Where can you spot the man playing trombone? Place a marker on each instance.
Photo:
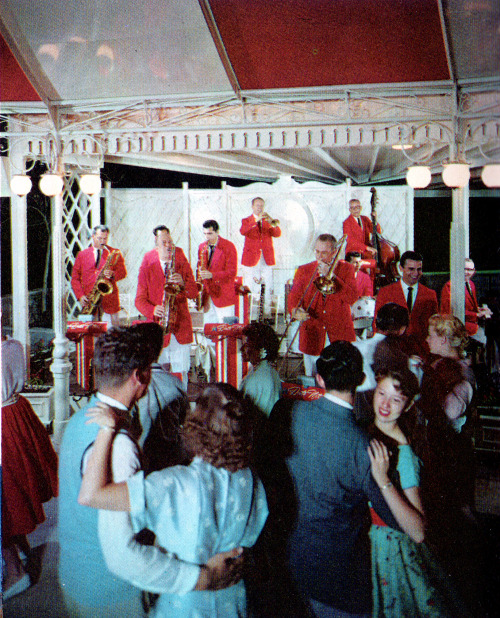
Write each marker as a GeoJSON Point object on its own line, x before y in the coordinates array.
{"type": "Point", "coordinates": [259, 229]}
{"type": "Point", "coordinates": [321, 298]}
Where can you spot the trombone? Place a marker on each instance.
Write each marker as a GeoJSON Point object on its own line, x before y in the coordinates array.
{"type": "Point", "coordinates": [323, 283]}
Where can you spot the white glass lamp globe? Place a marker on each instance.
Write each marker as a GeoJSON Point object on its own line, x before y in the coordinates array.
{"type": "Point", "coordinates": [51, 184]}
{"type": "Point", "coordinates": [20, 184]}
{"type": "Point", "coordinates": [491, 175]}
{"type": "Point", "coordinates": [456, 175]}
{"type": "Point", "coordinates": [90, 183]}
{"type": "Point", "coordinates": [418, 176]}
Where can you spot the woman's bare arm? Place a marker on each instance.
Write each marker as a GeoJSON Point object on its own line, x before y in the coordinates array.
{"type": "Point", "coordinates": [408, 515]}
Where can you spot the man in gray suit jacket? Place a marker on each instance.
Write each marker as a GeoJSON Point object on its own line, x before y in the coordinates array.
{"type": "Point", "coordinates": [329, 553]}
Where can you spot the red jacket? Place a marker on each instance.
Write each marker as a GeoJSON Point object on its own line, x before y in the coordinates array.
{"type": "Point", "coordinates": [329, 313]}
{"type": "Point", "coordinates": [471, 306]}
{"type": "Point", "coordinates": [358, 239]}
{"type": "Point", "coordinates": [364, 284]}
{"type": "Point", "coordinates": [424, 305]}
{"type": "Point", "coordinates": [150, 289]}
{"type": "Point", "coordinates": [257, 241]}
{"type": "Point", "coordinates": [224, 266]}
{"type": "Point", "coordinates": [85, 273]}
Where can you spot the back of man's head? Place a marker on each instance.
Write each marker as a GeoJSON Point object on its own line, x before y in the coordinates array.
{"type": "Point", "coordinates": [341, 367]}
{"type": "Point", "coordinates": [122, 350]}
{"type": "Point", "coordinates": [391, 317]}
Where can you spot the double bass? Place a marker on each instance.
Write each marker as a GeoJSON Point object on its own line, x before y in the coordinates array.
{"type": "Point", "coordinates": [387, 251]}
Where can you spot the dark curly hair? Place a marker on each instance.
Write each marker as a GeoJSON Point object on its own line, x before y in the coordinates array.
{"type": "Point", "coordinates": [263, 337]}
{"type": "Point", "coordinates": [219, 429]}
{"type": "Point", "coordinates": [120, 351]}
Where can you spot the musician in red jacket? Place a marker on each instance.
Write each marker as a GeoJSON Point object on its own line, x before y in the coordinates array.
{"type": "Point", "coordinates": [168, 264]}
{"type": "Point", "coordinates": [359, 229]}
{"type": "Point", "coordinates": [421, 301]}
{"type": "Point", "coordinates": [89, 265]}
{"type": "Point", "coordinates": [472, 309]}
{"type": "Point", "coordinates": [324, 317]}
{"type": "Point", "coordinates": [220, 261]}
{"type": "Point", "coordinates": [258, 251]}
{"type": "Point", "coordinates": [364, 284]}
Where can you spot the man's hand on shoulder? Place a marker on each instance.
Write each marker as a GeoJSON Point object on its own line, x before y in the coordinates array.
{"type": "Point", "coordinates": [221, 571]}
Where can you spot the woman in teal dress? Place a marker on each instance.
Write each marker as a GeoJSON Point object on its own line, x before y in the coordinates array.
{"type": "Point", "coordinates": [407, 580]}
{"type": "Point", "coordinates": [262, 383]}
{"type": "Point", "coordinates": [215, 504]}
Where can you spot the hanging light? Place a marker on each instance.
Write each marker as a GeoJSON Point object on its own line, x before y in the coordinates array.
{"type": "Point", "coordinates": [20, 184]}
{"type": "Point", "coordinates": [491, 175]}
{"type": "Point", "coordinates": [418, 176]}
{"type": "Point", "coordinates": [90, 183]}
{"type": "Point", "coordinates": [456, 175]}
{"type": "Point", "coordinates": [51, 184]}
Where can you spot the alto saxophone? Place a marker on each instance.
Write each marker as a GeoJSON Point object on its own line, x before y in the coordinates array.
{"type": "Point", "coordinates": [202, 265]}
{"type": "Point", "coordinates": [170, 291]}
{"type": "Point", "coordinates": [102, 286]}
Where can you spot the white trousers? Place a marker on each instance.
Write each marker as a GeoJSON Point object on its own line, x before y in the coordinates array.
{"type": "Point", "coordinates": [216, 315]}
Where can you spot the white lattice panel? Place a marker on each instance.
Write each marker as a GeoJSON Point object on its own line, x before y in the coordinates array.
{"type": "Point", "coordinates": [304, 210]}
{"type": "Point", "coordinates": [77, 226]}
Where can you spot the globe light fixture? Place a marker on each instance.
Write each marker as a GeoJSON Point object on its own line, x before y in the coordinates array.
{"type": "Point", "coordinates": [90, 183]}
{"type": "Point", "coordinates": [491, 175]}
{"type": "Point", "coordinates": [456, 175]}
{"type": "Point", "coordinates": [418, 176]}
{"type": "Point", "coordinates": [51, 184]}
{"type": "Point", "coordinates": [20, 184]}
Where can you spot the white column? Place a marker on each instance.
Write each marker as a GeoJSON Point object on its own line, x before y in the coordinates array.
{"type": "Point", "coordinates": [459, 247]}
{"type": "Point", "coordinates": [60, 366]}
{"type": "Point", "coordinates": [19, 252]}
{"type": "Point", "coordinates": [95, 209]}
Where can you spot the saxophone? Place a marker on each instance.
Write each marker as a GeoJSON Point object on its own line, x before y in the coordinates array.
{"type": "Point", "coordinates": [102, 286]}
{"type": "Point", "coordinates": [170, 291]}
{"type": "Point", "coordinates": [202, 265]}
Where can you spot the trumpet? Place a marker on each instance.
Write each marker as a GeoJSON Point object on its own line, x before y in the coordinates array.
{"type": "Point", "coordinates": [272, 222]}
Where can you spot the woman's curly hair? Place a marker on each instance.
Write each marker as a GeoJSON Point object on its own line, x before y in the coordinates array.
{"type": "Point", "coordinates": [219, 429]}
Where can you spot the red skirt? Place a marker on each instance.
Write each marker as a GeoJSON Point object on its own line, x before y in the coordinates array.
{"type": "Point", "coordinates": [29, 470]}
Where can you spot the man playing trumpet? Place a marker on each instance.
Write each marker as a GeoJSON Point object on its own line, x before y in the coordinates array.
{"type": "Point", "coordinates": [165, 271]}
{"type": "Point", "coordinates": [259, 229]}
{"type": "Point", "coordinates": [92, 263]}
{"type": "Point", "coordinates": [324, 317]}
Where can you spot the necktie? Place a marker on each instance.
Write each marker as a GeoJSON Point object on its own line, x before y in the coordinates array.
{"type": "Point", "coordinates": [167, 271]}
{"type": "Point", "coordinates": [98, 258]}
{"type": "Point", "coordinates": [409, 299]}
{"type": "Point", "coordinates": [259, 225]}
{"type": "Point", "coordinates": [360, 223]}
{"type": "Point", "coordinates": [210, 253]}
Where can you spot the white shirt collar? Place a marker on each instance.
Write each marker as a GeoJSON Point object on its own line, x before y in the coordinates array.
{"type": "Point", "coordinates": [111, 402]}
{"type": "Point", "coordinates": [338, 401]}
{"type": "Point", "coordinates": [405, 287]}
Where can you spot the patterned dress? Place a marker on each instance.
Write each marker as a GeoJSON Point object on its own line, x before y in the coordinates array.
{"type": "Point", "coordinates": [197, 511]}
{"type": "Point", "coordinates": [407, 581]}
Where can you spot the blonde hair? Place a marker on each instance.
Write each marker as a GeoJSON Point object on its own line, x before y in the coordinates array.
{"type": "Point", "coordinates": [452, 328]}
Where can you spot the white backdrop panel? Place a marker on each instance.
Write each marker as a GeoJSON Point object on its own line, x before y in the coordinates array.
{"type": "Point", "coordinates": [304, 210]}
